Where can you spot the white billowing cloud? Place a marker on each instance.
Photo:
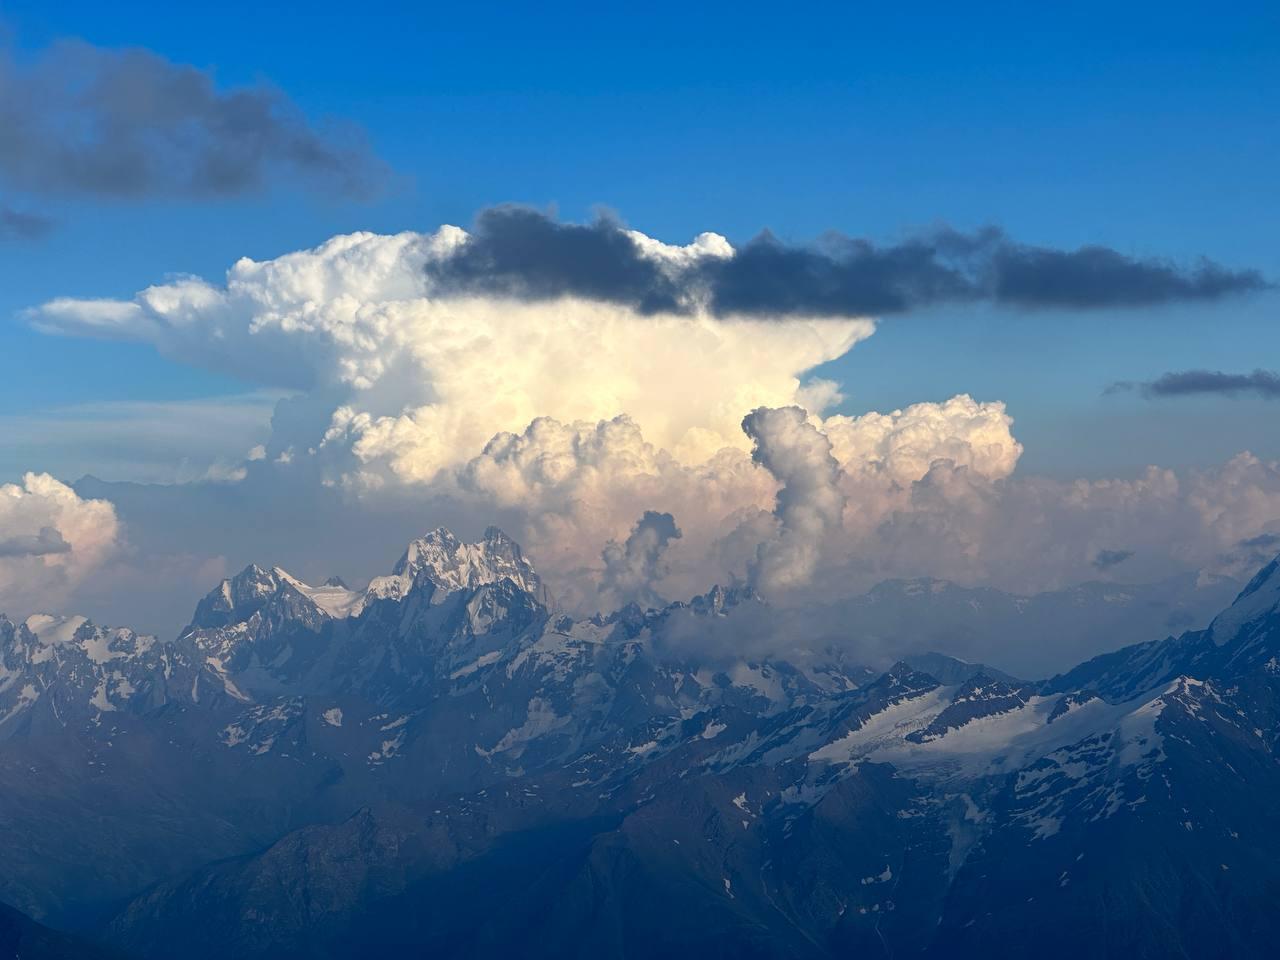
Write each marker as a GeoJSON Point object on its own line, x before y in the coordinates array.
{"type": "Point", "coordinates": [926, 491]}
{"type": "Point", "coordinates": [50, 540]}
{"type": "Point", "coordinates": [425, 381]}
{"type": "Point", "coordinates": [684, 380]}
{"type": "Point", "coordinates": [810, 503]}
{"type": "Point", "coordinates": [567, 488]}
{"type": "Point", "coordinates": [1238, 501]}
{"type": "Point", "coordinates": [633, 569]}
{"type": "Point", "coordinates": [904, 444]}
{"type": "Point", "coordinates": [553, 464]}
{"type": "Point", "coordinates": [330, 315]}
{"type": "Point", "coordinates": [675, 256]}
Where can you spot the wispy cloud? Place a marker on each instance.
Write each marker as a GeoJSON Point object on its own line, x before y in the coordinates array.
{"type": "Point", "coordinates": [1184, 383]}
{"type": "Point", "coordinates": [156, 441]}
{"type": "Point", "coordinates": [19, 225]}
{"type": "Point", "coordinates": [1106, 559]}
{"type": "Point", "coordinates": [1263, 541]}
{"type": "Point", "coordinates": [85, 121]}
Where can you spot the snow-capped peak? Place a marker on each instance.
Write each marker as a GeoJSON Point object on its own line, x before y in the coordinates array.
{"type": "Point", "coordinates": [50, 629]}
{"type": "Point", "coordinates": [99, 644]}
{"type": "Point", "coordinates": [441, 559]}
{"type": "Point", "coordinates": [1260, 598]}
{"type": "Point", "coordinates": [238, 598]}
{"type": "Point", "coordinates": [333, 597]}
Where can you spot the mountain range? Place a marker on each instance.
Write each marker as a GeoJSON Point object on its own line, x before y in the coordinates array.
{"type": "Point", "coordinates": [444, 764]}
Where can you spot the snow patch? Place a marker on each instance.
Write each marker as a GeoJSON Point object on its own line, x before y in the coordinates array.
{"type": "Point", "coordinates": [50, 630]}
{"type": "Point", "coordinates": [482, 661]}
{"type": "Point", "coordinates": [883, 876]}
{"type": "Point", "coordinates": [388, 749]}
{"type": "Point", "coordinates": [337, 601]}
{"type": "Point", "coordinates": [540, 719]}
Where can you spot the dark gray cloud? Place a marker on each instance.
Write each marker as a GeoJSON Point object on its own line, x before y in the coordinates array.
{"type": "Point", "coordinates": [16, 225]}
{"type": "Point", "coordinates": [1186, 383]}
{"type": "Point", "coordinates": [524, 253]}
{"type": "Point", "coordinates": [519, 252]}
{"type": "Point", "coordinates": [842, 276]}
{"type": "Point", "coordinates": [80, 120]}
{"type": "Point", "coordinates": [1106, 559]}
{"type": "Point", "coordinates": [1097, 277]}
{"type": "Point", "coordinates": [46, 543]}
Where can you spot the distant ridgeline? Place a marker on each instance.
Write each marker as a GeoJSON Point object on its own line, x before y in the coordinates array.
{"type": "Point", "coordinates": [442, 765]}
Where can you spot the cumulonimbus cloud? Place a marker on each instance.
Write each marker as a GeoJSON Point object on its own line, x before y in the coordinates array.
{"type": "Point", "coordinates": [508, 392]}
{"type": "Point", "coordinates": [419, 382]}
{"type": "Point", "coordinates": [83, 120]}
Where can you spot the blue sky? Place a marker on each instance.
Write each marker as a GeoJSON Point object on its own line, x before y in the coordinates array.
{"type": "Point", "coordinates": [1149, 128]}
